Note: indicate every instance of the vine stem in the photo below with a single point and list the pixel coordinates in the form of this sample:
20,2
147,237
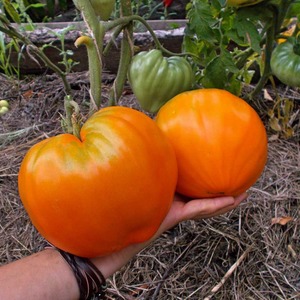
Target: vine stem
94,68
272,29
127,19
126,53
13,33
96,31
72,119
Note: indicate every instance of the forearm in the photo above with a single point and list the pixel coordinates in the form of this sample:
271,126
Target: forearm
44,275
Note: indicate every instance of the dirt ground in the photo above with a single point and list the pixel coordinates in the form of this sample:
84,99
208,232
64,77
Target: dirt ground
250,253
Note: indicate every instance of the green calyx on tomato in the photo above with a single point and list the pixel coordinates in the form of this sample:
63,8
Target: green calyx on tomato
243,2
103,8
285,63
155,79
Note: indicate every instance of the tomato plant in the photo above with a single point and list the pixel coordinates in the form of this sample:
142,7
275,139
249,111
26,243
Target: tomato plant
219,141
103,8
96,194
243,2
285,63
232,43
155,79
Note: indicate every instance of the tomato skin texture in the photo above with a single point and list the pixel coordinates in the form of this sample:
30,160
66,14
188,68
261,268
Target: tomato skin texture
155,79
94,196
219,141
285,64
103,8
240,3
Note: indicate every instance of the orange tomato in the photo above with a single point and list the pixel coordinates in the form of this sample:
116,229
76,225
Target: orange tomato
98,194
219,140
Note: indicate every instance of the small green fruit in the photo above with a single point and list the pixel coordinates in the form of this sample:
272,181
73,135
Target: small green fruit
4,103
3,110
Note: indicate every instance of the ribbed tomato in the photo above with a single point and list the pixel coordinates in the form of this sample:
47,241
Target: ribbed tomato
219,141
110,188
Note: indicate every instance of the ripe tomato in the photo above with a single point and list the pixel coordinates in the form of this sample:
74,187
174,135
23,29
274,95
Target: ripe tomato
219,141
100,193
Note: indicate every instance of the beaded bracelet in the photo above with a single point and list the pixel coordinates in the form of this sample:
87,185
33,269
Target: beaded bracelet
91,282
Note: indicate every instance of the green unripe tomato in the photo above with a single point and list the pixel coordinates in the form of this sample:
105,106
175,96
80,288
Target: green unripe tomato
4,103
243,2
103,8
155,79
3,110
285,63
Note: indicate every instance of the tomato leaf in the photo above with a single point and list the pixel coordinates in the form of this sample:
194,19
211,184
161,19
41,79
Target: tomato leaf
11,10
218,69
201,21
247,32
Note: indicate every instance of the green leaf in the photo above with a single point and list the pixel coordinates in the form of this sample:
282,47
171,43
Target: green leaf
35,5
246,33
201,21
12,11
219,70
294,10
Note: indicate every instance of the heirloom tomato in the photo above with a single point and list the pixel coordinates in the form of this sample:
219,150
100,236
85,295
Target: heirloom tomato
155,79
98,194
285,63
219,141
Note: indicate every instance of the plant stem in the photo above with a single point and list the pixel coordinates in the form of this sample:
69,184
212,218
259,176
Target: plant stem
126,55
96,31
94,66
267,58
13,33
72,119
272,29
127,19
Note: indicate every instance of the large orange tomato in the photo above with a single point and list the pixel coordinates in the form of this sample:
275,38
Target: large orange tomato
219,140
110,188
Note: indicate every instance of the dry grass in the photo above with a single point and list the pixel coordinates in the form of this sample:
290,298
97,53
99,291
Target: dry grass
240,255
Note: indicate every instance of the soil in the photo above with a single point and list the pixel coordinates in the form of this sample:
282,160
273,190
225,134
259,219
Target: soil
252,252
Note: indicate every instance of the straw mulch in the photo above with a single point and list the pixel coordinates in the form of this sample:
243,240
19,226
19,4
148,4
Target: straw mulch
250,253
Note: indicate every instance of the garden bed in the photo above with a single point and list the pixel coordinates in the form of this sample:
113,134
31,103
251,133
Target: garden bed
169,33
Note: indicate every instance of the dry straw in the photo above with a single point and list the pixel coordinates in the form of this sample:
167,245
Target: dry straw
237,256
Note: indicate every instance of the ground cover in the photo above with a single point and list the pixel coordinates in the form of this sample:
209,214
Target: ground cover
252,252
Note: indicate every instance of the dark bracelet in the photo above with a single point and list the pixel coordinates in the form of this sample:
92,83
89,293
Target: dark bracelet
91,282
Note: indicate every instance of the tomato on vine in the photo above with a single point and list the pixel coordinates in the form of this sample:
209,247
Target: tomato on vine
285,62
155,79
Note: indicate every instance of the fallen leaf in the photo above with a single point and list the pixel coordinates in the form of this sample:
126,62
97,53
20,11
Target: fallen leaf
281,220
267,96
28,94
292,251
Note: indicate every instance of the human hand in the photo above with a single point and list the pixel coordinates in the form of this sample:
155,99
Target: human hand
181,210
196,209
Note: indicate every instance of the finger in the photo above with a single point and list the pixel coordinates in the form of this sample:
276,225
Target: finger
237,202
206,208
